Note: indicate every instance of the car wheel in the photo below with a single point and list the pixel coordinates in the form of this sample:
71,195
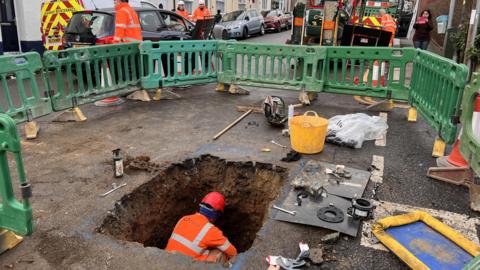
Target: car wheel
262,30
245,33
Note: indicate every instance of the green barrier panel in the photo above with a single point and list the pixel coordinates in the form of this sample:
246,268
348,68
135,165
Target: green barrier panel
470,146
19,89
85,75
473,264
289,67
436,91
374,72
15,216
372,11
177,63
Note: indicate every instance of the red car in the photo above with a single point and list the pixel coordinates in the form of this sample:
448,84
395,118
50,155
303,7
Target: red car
275,20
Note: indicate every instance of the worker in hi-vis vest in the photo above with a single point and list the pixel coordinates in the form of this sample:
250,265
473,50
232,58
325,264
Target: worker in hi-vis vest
388,23
196,236
127,25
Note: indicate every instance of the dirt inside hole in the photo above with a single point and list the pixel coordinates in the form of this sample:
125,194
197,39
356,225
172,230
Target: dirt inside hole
149,214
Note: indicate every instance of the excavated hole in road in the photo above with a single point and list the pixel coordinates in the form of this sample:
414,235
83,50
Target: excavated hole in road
149,214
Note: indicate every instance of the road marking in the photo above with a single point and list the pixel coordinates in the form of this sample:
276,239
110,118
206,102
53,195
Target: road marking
460,223
382,141
377,169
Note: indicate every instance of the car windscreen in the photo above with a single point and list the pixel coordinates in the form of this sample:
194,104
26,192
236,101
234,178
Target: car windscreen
232,16
270,13
93,23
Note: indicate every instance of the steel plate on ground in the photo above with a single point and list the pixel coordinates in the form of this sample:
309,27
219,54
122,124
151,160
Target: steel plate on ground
313,175
307,213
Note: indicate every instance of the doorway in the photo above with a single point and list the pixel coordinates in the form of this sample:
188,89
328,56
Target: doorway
8,26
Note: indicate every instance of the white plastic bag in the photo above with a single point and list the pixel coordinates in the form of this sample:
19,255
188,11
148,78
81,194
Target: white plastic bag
353,129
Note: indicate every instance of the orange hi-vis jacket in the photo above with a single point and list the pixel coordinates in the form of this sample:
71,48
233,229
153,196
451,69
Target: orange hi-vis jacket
183,13
127,25
199,14
388,23
195,236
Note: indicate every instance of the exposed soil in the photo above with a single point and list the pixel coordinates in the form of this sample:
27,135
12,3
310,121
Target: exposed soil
149,214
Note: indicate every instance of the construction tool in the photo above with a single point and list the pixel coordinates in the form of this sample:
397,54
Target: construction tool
284,210
232,124
115,187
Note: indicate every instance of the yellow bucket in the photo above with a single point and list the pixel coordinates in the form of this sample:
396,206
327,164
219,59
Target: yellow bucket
307,133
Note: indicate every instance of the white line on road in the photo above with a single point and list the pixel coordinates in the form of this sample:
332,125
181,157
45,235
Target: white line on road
461,223
382,141
377,169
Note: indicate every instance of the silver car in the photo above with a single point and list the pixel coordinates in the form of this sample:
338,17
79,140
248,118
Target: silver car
243,23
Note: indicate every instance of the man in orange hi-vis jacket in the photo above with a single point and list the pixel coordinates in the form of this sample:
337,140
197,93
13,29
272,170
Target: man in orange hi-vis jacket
196,236
388,23
181,10
127,25
201,12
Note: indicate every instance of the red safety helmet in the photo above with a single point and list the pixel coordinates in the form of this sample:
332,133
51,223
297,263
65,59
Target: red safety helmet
215,200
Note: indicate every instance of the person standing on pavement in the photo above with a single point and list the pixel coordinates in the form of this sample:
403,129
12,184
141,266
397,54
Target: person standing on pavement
201,12
181,10
127,25
197,237
388,24
423,26
218,16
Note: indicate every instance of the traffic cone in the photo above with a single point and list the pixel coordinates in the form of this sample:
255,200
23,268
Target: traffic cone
382,74
111,101
455,158
376,68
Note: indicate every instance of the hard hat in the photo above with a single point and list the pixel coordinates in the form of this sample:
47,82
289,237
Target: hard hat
201,2
215,200
180,3
382,11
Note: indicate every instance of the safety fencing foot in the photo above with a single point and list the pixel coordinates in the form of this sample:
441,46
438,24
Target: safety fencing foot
71,115
439,148
412,114
303,98
8,240
234,90
31,130
158,94
220,87
141,95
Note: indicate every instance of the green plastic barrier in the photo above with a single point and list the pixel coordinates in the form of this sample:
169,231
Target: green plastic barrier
290,67
436,91
473,264
374,72
470,146
85,75
372,11
19,72
177,63
15,216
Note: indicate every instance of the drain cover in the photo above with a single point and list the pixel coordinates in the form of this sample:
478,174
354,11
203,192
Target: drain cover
330,214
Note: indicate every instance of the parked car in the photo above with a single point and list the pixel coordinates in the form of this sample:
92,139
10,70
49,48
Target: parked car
275,20
243,23
98,27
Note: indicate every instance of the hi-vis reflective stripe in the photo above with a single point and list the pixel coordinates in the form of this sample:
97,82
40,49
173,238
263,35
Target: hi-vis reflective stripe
55,15
372,20
194,245
225,246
